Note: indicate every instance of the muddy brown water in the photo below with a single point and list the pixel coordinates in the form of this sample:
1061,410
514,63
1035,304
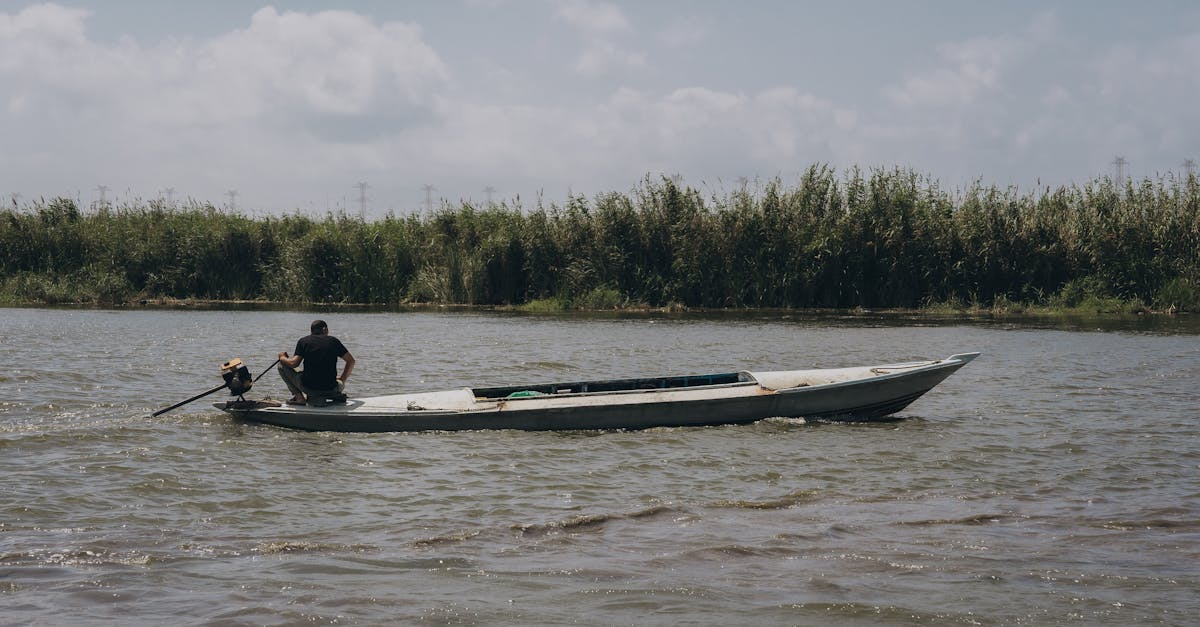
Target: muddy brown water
1054,479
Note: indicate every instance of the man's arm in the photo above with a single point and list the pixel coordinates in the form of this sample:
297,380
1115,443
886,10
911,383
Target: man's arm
349,366
291,362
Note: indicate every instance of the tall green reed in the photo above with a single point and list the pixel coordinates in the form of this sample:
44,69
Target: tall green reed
883,238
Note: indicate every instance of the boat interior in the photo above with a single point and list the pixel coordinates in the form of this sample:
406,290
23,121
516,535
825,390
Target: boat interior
612,385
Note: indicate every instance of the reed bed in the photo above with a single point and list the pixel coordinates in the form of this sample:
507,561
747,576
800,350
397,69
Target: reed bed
882,239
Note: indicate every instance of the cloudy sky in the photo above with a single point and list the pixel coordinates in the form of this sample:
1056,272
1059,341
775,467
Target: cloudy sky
292,104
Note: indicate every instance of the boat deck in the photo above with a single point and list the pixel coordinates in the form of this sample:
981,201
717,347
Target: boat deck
613,385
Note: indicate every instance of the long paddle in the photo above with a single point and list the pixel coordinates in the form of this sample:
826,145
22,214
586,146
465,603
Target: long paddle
260,375
196,397
203,394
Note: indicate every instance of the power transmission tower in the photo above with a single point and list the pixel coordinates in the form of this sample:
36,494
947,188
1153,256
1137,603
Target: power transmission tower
1120,163
170,192
362,198
232,194
489,190
1189,166
429,189
103,189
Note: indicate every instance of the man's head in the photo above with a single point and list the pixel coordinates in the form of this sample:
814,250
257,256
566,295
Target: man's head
319,327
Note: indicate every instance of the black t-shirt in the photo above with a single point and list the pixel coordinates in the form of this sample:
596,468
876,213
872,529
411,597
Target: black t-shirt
320,353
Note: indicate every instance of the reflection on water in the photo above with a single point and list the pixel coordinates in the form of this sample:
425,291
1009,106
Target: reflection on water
1055,478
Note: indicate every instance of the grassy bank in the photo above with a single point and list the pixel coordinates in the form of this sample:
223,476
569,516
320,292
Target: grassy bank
884,239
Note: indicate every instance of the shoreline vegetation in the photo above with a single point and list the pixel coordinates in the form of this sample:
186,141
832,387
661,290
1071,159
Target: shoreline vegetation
887,240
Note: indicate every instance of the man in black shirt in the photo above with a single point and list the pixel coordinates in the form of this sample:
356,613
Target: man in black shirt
318,381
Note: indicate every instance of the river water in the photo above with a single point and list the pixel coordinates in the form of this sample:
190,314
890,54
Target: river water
1055,479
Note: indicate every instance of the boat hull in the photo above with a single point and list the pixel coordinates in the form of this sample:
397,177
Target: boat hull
872,397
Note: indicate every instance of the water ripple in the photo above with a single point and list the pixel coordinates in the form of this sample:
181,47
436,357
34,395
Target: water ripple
1056,479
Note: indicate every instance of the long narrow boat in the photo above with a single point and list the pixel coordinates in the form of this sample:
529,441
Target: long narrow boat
858,393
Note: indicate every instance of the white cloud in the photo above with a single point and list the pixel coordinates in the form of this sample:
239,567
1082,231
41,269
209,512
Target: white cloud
273,99
330,63
293,104
685,31
975,67
707,133
293,97
700,132
1141,102
1044,28
599,18
38,33
522,140
603,57
45,46
1129,70
601,24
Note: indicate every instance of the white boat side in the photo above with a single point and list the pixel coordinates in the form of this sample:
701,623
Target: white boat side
864,392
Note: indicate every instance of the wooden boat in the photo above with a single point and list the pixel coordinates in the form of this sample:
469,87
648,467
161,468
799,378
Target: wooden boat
858,393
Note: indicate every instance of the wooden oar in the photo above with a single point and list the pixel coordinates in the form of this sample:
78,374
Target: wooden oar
196,397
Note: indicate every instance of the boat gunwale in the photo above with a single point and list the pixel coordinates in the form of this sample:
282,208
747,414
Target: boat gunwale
954,361
908,369
483,404
739,377
688,388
